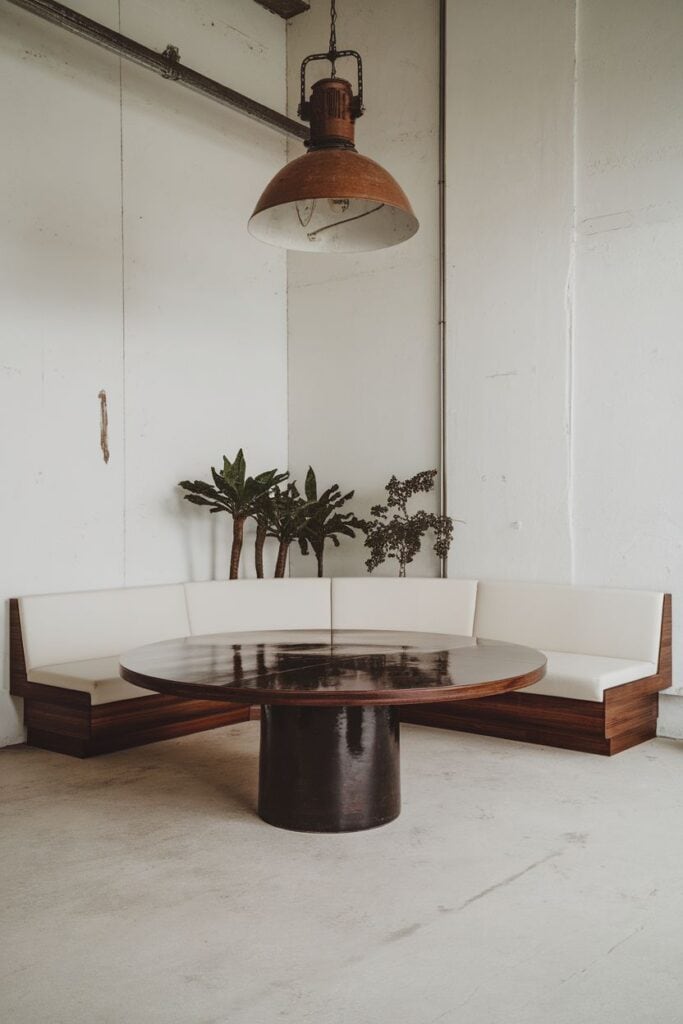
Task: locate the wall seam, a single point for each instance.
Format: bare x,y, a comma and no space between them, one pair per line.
570,313
287,374
442,246
123,329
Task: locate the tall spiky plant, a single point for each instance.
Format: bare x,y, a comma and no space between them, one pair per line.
324,521
287,515
262,516
234,492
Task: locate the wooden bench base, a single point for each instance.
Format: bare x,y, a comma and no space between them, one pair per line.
626,716
622,720
66,722
55,721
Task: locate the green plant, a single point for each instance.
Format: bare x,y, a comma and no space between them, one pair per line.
262,516
400,535
234,492
324,521
288,513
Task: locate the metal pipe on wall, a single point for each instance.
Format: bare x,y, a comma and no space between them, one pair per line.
443,421
166,64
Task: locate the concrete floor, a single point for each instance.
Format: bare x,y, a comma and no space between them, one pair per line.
521,885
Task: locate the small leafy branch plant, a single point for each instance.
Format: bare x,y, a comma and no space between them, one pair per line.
240,495
324,520
396,533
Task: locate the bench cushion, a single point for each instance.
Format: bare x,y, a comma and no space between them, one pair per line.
57,628
586,676
418,605
237,605
98,676
602,621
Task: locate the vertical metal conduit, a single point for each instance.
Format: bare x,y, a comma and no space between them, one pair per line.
443,405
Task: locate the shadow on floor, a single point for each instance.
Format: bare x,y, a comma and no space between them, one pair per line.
215,772
208,774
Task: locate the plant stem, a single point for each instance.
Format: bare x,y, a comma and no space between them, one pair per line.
319,559
235,554
281,563
402,561
258,548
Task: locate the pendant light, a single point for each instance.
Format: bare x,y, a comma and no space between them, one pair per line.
332,199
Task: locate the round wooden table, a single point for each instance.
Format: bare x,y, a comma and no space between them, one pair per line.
329,759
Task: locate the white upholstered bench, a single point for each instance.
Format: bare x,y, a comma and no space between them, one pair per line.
609,652
65,648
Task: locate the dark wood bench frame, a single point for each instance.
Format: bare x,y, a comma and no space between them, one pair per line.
66,721
627,715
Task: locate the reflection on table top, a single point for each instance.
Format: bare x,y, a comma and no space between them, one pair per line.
332,667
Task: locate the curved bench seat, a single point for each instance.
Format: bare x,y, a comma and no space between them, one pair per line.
587,676
608,650
415,605
98,677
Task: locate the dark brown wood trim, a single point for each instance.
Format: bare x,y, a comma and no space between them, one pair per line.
664,669
84,731
591,726
41,691
314,697
17,658
513,727
58,743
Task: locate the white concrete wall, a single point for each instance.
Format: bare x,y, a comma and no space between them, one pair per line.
126,265
509,210
628,349
363,329
565,234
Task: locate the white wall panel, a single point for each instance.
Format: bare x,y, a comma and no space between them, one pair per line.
510,207
363,330
205,304
60,315
629,299
194,362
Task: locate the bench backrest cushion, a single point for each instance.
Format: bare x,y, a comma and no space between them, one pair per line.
99,623
242,605
419,605
577,620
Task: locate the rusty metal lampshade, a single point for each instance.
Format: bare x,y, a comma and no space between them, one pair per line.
332,199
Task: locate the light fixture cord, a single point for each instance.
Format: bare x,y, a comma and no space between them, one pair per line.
333,37
337,223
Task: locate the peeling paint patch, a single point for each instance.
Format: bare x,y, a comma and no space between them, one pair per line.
104,425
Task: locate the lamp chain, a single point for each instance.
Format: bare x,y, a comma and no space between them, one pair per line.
333,36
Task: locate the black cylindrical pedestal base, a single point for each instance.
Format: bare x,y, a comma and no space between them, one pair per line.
329,769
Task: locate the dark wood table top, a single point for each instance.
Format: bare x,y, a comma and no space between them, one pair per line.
339,667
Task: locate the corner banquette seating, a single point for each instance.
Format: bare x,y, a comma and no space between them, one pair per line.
608,651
